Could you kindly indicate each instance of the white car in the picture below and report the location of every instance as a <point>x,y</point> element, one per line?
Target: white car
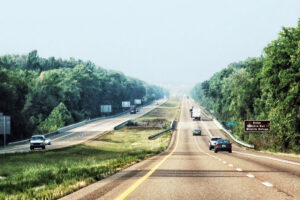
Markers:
<point>212,142</point>
<point>39,141</point>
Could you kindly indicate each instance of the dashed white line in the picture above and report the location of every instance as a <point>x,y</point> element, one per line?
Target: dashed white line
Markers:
<point>239,169</point>
<point>267,184</point>
<point>224,162</point>
<point>205,127</point>
<point>230,165</point>
<point>250,175</point>
<point>220,159</point>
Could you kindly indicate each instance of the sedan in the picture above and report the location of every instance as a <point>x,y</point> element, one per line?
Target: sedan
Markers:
<point>223,145</point>
<point>197,132</point>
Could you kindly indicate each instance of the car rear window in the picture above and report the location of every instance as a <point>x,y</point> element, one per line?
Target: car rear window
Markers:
<point>37,138</point>
<point>215,139</point>
<point>224,142</point>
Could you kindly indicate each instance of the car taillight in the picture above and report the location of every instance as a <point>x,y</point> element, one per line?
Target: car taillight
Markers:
<point>217,145</point>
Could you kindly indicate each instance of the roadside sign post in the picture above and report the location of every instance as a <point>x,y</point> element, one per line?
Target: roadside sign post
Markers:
<point>257,125</point>
<point>4,126</point>
<point>106,109</point>
<point>231,125</point>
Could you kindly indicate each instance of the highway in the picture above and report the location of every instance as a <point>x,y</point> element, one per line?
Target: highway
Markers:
<point>189,170</point>
<point>84,133</point>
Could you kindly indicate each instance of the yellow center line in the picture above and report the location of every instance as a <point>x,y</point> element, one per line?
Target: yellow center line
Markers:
<point>141,180</point>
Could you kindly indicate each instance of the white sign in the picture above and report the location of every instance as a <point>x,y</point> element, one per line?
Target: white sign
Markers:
<point>125,104</point>
<point>137,101</point>
<point>105,108</point>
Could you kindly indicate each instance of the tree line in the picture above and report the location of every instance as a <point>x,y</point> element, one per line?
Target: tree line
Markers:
<point>263,88</point>
<point>43,94</point>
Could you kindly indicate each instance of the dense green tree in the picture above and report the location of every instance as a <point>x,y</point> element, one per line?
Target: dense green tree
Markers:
<point>31,88</point>
<point>261,88</point>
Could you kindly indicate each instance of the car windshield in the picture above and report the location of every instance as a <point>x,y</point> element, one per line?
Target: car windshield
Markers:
<point>197,130</point>
<point>215,139</point>
<point>37,138</point>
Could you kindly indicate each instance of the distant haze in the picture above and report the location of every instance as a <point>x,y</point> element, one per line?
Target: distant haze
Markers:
<point>160,41</point>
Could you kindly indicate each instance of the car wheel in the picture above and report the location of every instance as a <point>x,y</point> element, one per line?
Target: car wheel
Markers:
<point>31,148</point>
<point>43,147</point>
<point>210,148</point>
<point>216,151</point>
<point>230,151</point>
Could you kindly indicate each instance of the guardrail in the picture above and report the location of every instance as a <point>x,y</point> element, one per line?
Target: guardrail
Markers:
<point>121,125</point>
<point>173,126</point>
<point>219,125</point>
<point>72,126</point>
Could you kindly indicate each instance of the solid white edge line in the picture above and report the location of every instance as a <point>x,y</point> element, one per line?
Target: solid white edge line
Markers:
<point>267,184</point>
<point>266,157</point>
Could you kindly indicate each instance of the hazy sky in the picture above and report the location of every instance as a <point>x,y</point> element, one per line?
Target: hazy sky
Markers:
<point>159,41</point>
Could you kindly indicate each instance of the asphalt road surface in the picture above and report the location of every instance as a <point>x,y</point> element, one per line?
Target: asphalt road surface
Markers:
<point>189,170</point>
<point>84,133</point>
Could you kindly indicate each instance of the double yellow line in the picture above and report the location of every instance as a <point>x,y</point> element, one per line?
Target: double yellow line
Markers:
<point>141,180</point>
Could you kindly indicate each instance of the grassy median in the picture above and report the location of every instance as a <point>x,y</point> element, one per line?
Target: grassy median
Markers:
<point>53,174</point>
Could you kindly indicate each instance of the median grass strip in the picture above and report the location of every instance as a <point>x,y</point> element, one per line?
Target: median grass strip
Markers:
<point>53,174</point>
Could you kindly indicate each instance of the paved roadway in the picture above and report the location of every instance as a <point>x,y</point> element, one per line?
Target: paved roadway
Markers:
<point>188,170</point>
<point>84,133</point>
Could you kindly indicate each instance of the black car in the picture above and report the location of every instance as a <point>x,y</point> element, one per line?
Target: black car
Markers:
<point>197,132</point>
<point>223,145</point>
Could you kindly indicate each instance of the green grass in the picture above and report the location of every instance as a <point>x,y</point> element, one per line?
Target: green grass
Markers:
<point>164,114</point>
<point>53,174</point>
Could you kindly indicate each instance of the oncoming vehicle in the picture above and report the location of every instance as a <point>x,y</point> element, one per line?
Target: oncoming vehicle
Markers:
<point>197,132</point>
<point>212,142</point>
<point>39,141</point>
<point>223,145</point>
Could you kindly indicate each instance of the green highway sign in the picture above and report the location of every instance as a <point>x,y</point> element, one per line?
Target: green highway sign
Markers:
<point>230,123</point>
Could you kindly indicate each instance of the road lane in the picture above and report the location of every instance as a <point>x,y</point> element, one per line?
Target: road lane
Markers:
<point>194,172</point>
<point>84,133</point>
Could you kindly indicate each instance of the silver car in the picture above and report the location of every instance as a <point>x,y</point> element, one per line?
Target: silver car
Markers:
<point>39,141</point>
<point>212,142</point>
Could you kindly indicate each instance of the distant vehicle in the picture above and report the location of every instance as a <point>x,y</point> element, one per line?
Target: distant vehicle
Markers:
<point>223,145</point>
<point>47,141</point>
<point>196,113</point>
<point>212,142</point>
<point>133,109</point>
<point>37,141</point>
<point>191,111</point>
<point>197,132</point>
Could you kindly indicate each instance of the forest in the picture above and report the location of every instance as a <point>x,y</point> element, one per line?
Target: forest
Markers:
<point>43,94</point>
<point>263,88</point>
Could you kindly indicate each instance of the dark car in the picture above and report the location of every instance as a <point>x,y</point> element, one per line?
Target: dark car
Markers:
<point>197,132</point>
<point>223,145</point>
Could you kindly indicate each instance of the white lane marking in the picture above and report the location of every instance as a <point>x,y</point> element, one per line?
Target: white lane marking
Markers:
<point>250,175</point>
<point>267,184</point>
<point>230,165</point>
<point>205,127</point>
<point>224,162</point>
<point>276,159</point>
<point>239,169</point>
<point>220,159</point>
